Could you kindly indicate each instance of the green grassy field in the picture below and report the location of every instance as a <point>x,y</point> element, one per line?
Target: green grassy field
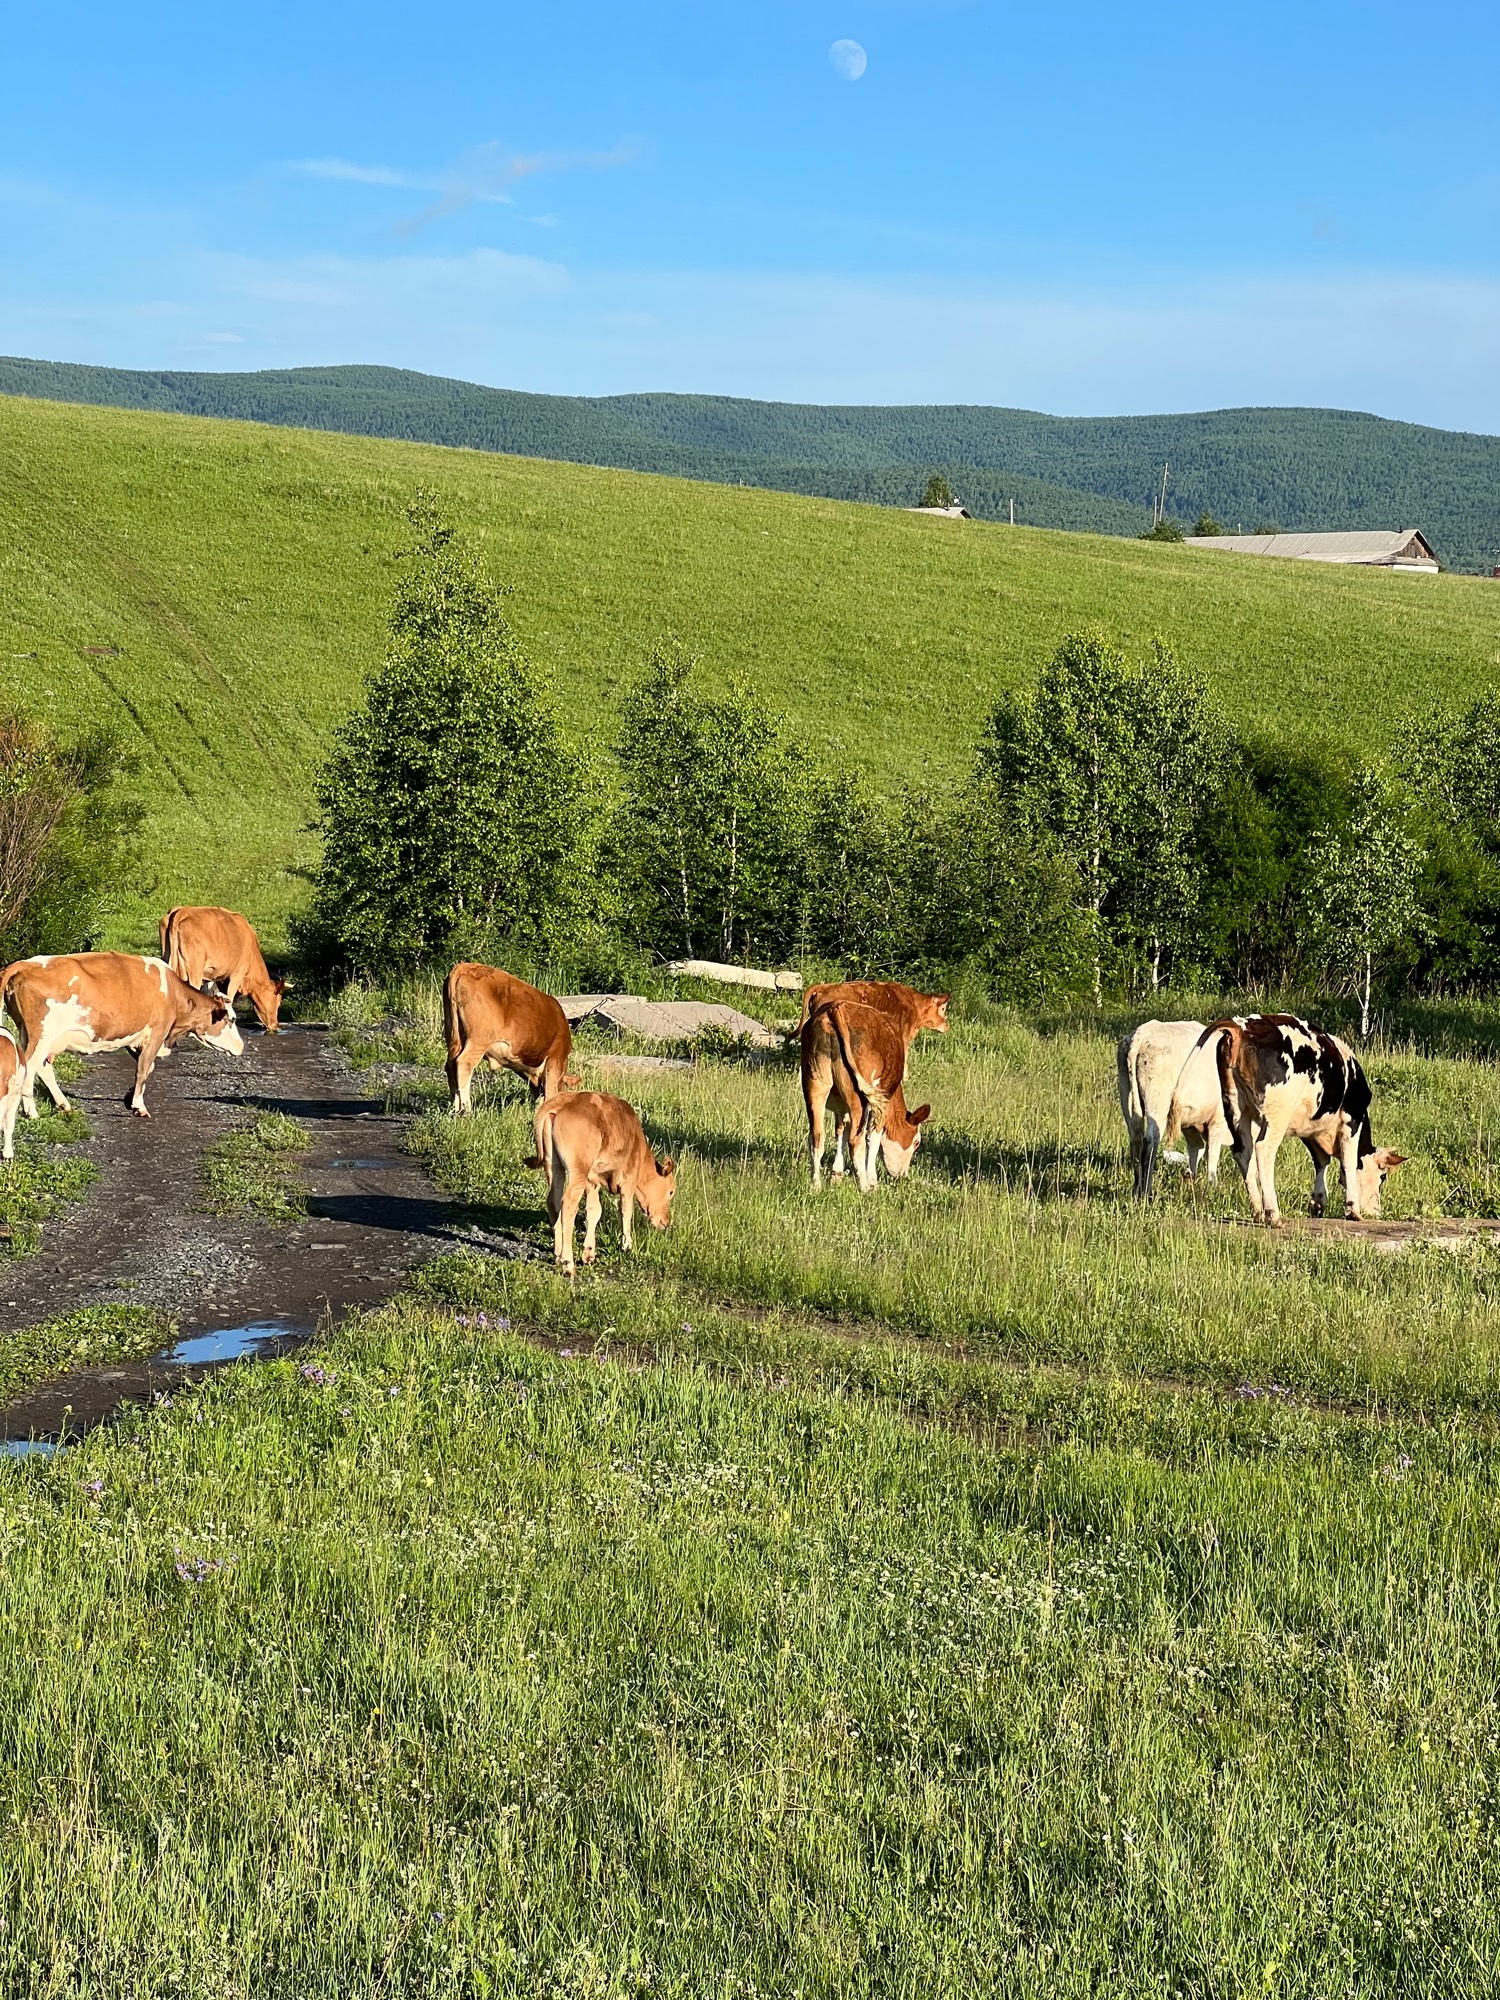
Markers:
<point>238,577</point>
<point>980,1588</point>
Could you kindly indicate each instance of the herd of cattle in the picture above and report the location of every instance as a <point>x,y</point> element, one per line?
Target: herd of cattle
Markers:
<point>1247,1082</point>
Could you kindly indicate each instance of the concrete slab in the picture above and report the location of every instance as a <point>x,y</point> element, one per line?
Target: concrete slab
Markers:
<point>737,975</point>
<point>679,1020</point>
<point>578,1006</point>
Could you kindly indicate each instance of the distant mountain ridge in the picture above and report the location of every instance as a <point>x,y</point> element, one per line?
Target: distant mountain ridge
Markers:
<point>1297,469</point>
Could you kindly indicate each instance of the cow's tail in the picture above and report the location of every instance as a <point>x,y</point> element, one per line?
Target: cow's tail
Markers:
<point>809,1002</point>
<point>452,1033</point>
<point>167,935</point>
<point>541,1126</point>
<point>878,1095</point>
<point>1230,1034</point>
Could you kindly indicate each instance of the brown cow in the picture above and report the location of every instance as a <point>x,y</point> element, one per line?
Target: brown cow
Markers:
<point>586,1141</point>
<point>12,1090</point>
<point>856,1055</point>
<point>491,1016</point>
<point>208,946</point>
<point>912,1011</point>
<point>93,1001</point>
<point>1282,1078</point>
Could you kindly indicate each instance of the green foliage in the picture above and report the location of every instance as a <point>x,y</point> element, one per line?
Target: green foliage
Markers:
<point>1165,530</point>
<point>450,805</point>
<point>1362,886</point>
<point>1207,525</point>
<point>936,493</point>
<point>712,828</point>
<point>66,837</point>
<point>1312,468</point>
<point>1117,763</point>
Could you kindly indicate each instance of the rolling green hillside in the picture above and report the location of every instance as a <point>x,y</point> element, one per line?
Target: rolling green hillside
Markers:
<point>218,589</point>
<point>1306,469</point>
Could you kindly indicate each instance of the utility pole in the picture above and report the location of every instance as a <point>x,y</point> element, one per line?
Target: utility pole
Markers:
<point>1012,510</point>
<point>1159,505</point>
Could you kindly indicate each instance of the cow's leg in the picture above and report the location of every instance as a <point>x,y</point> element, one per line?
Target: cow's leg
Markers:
<point>145,1062</point>
<point>1140,1185</point>
<point>840,1135</point>
<point>555,1187</point>
<point>627,1215</point>
<point>1322,1159</point>
<point>1245,1160</point>
<point>1192,1138</point>
<point>39,1064</point>
<point>461,1070</point>
<point>867,1152</point>
<point>1265,1171</point>
<point>816,1106</point>
<point>567,1220</point>
<point>593,1206</point>
<point>1214,1141</point>
<point>10,1104</point>
<point>1349,1171</point>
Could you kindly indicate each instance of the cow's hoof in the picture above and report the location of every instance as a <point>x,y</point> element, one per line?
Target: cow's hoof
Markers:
<point>139,1111</point>
<point>1317,1211</point>
<point>588,1256</point>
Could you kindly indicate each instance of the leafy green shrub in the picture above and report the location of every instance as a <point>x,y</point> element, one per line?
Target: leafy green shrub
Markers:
<point>451,806</point>
<point>66,837</point>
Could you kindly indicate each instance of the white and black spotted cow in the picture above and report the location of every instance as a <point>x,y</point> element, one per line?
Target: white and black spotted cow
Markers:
<point>1283,1078</point>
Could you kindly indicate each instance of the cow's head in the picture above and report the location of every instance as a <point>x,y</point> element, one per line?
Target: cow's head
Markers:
<point>1373,1169</point>
<point>217,1027</point>
<point>268,1004</point>
<point>934,1012</point>
<point>655,1193</point>
<point>901,1137</point>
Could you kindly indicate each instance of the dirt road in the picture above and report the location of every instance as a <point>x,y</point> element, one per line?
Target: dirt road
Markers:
<point>139,1237</point>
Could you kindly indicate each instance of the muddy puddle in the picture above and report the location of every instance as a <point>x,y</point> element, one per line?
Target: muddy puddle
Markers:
<point>60,1412</point>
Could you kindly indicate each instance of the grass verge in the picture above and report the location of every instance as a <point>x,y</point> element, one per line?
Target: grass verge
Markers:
<point>256,1169</point>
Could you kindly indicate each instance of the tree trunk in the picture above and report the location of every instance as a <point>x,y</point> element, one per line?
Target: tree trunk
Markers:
<point>1155,964</point>
<point>1364,998</point>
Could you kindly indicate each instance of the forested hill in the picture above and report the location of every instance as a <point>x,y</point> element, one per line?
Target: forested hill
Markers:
<point>1306,469</point>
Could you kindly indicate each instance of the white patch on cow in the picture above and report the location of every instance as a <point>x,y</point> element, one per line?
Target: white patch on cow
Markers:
<point>155,965</point>
<point>228,1039</point>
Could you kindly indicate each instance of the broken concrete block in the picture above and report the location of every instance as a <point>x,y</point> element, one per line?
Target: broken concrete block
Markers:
<point>737,975</point>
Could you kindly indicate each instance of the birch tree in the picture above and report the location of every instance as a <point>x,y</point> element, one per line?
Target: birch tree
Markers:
<point>1362,888</point>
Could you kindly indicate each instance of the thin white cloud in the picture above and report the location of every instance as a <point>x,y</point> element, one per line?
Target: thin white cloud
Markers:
<point>485,173</point>
<point>350,170</point>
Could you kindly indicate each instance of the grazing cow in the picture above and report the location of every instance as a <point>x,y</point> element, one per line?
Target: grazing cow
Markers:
<point>1282,1078</point>
<point>12,1090</point>
<point>490,1016</point>
<point>856,1056</point>
<point>586,1142</point>
<point>92,1001</point>
<point>910,1010</point>
<point>1169,1086</point>
<point>208,947</point>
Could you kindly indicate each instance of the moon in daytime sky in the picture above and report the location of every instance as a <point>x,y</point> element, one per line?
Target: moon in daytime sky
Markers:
<point>848,60</point>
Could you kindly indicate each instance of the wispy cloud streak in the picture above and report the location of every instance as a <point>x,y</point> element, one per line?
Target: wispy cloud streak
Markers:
<point>485,173</point>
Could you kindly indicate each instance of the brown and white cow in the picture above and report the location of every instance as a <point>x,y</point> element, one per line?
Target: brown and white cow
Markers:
<point>910,1010</point>
<point>12,1090</point>
<point>491,1016</point>
<point>856,1056</point>
<point>208,946</point>
<point>587,1142</point>
<point>92,1001</point>
<point>1169,1087</point>
<point>1282,1078</point>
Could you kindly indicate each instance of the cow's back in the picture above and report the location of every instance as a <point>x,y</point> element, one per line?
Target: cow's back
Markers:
<point>484,1005</point>
<point>1162,1058</point>
<point>206,940</point>
<point>121,991</point>
<point>910,1010</point>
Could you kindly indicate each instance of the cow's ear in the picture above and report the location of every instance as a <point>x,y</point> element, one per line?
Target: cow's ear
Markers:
<point>666,1166</point>
<point>921,1115</point>
<point>282,986</point>
<point>1385,1159</point>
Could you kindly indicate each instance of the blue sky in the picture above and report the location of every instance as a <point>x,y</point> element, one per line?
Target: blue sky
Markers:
<point>1084,208</point>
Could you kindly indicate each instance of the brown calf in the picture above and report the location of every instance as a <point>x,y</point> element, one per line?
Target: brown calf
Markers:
<point>92,1001</point>
<point>856,1056</point>
<point>491,1016</point>
<point>910,1010</point>
<point>586,1141</point>
<point>208,946</point>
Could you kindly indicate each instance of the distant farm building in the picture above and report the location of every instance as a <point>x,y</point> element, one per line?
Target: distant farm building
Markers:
<point>953,513</point>
<point>1402,549</point>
